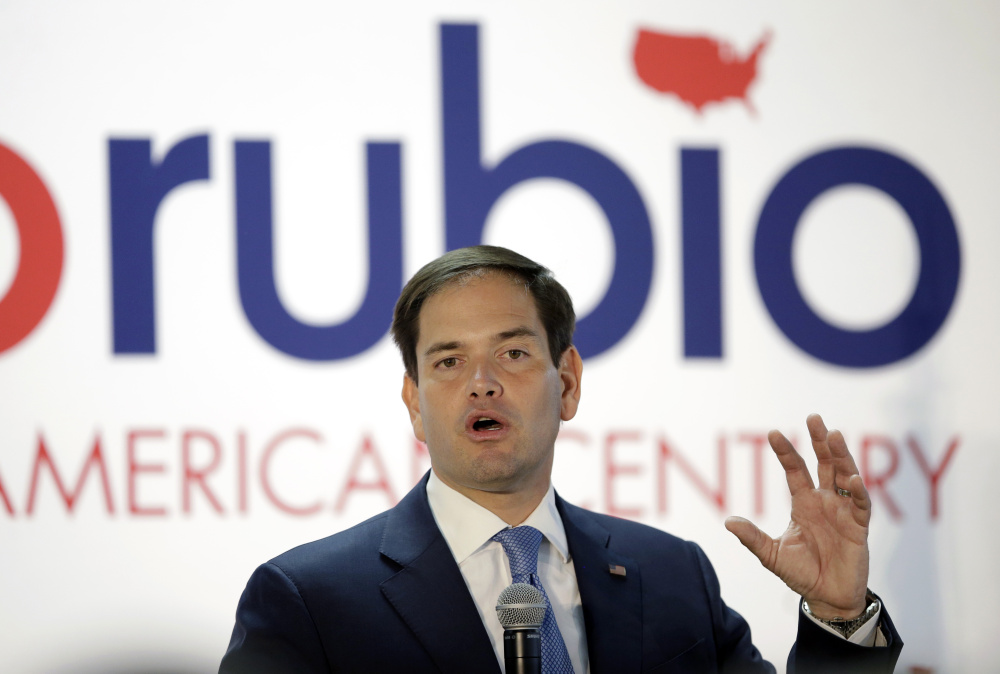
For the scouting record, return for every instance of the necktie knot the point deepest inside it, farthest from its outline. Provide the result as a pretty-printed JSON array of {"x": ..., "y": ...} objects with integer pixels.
[{"x": 521, "y": 545}]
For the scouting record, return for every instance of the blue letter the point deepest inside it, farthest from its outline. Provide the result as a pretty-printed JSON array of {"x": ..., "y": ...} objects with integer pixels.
[
  {"x": 471, "y": 189},
  {"x": 137, "y": 189},
  {"x": 939, "y": 257},
  {"x": 700, "y": 227},
  {"x": 255, "y": 258}
]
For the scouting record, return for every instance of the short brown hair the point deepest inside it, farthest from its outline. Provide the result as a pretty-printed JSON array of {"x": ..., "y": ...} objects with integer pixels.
[{"x": 553, "y": 303}]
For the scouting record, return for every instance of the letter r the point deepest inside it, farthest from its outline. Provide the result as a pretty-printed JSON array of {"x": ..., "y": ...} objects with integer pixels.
[{"x": 138, "y": 187}]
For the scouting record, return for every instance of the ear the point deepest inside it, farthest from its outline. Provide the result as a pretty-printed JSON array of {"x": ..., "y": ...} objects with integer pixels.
[
  {"x": 571, "y": 376},
  {"x": 411, "y": 396}
]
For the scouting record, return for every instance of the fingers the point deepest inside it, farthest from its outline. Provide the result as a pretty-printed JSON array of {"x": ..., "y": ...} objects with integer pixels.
[
  {"x": 862, "y": 510},
  {"x": 753, "y": 539},
  {"x": 836, "y": 465},
  {"x": 826, "y": 470},
  {"x": 836, "y": 469},
  {"x": 796, "y": 473},
  {"x": 842, "y": 460}
]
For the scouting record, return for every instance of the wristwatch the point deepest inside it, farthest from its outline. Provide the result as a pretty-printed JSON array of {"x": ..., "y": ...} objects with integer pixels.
[{"x": 848, "y": 627}]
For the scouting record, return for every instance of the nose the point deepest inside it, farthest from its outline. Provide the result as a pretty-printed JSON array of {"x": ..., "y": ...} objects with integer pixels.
[{"x": 484, "y": 383}]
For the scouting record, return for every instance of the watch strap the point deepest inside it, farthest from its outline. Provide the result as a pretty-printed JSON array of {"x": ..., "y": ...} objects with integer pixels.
[{"x": 844, "y": 626}]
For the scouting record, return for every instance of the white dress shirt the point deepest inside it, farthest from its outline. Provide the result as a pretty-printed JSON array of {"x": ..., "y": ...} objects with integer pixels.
[{"x": 468, "y": 528}]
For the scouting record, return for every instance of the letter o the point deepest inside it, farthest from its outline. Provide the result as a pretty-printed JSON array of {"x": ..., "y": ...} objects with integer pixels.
[
  {"x": 40, "y": 266},
  {"x": 940, "y": 258}
]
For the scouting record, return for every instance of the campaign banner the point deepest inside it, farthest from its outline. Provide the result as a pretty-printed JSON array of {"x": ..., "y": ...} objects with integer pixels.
[{"x": 761, "y": 210}]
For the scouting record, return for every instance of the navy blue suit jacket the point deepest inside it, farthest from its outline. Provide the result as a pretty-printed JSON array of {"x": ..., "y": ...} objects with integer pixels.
[{"x": 388, "y": 596}]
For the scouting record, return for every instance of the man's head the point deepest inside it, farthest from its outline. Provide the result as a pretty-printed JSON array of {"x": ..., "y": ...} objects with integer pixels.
[
  {"x": 553, "y": 303},
  {"x": 487, "y": 333}
]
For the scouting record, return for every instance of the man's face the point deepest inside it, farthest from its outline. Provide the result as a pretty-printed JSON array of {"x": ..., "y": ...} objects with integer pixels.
[{"x": 490, "y": 399}]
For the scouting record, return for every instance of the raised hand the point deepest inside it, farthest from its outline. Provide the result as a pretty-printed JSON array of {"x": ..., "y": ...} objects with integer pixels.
[{"x": 823, "y": 554}]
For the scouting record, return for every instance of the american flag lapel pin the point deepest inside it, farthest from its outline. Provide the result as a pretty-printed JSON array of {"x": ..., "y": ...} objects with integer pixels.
[{"x": 617, "y": 570}]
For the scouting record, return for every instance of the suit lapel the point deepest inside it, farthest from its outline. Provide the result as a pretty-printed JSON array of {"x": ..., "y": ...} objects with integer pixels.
[
  {"x": 429, "y": 593},
  {"x": 612, "y": 603}
]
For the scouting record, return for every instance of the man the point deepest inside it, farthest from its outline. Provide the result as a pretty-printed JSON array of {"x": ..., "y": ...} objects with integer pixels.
[{"x": 491, "y": 372}]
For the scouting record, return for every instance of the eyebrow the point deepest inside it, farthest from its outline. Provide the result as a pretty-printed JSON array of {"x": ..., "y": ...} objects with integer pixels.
[
  {"x": 441, "y": 346},
  {"x": 520, "y": 331}
]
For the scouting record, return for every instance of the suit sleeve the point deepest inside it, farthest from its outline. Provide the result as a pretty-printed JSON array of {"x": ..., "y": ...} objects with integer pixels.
[
  {"x": 816, "y": 650},
  {"x": 274, "y": 631}
]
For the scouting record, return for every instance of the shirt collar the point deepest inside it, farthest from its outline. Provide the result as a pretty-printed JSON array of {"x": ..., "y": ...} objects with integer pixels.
[{"x": 467, "y": 526}]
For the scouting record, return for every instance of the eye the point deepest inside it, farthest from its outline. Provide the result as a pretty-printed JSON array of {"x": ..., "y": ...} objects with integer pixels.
[
  {"x": 514, "y": 354},
  {"x": 449, "y": 362}
]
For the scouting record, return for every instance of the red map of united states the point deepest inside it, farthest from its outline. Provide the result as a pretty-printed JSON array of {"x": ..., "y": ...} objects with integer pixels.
[{"x": 695, "y": 68}]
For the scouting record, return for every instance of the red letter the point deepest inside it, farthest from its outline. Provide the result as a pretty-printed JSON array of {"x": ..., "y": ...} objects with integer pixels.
[
  {"x": 42, "y": 456},
  {"x": 265, "y": 465},
  {"x": 134, "y": 468},
  {"x": 757, "y": 443},
  {"x": 876, "y": 483},
  {"x": 612, "y": 469},
  {"x": 717, "y": 496},
  {"x": 382, "y": 483},
  {"x": 40, "y": 266},
  {"x": 583, "y": 439},
  {"x": 933, "y": 476},
  {"x": 192, "y": 475},
  {"x": 241, "y": 470},
  {"x": 6, "y": 501}
]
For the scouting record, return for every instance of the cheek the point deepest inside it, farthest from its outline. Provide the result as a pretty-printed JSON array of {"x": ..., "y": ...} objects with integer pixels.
[{"x": 430, "y": 416}]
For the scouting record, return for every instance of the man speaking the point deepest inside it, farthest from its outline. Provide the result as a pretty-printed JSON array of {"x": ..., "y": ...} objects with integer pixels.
[{"x": 491, "y": 372}]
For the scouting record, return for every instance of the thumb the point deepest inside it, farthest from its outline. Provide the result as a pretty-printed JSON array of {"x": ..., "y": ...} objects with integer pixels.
[{"x": 752, "y": 538}]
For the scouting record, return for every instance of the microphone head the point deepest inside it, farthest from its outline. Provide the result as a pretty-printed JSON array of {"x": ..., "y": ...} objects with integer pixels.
[{"x": 521, "y": 606}]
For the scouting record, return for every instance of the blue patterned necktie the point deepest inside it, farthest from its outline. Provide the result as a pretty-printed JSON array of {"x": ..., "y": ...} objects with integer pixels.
[{"x": 521, "y": 545}]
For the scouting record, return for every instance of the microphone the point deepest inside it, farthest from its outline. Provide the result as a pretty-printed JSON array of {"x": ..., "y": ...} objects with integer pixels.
[{"x": 521, "y": 610}]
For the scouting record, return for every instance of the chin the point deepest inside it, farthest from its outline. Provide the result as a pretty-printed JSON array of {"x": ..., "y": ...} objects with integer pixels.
[{"x": 500, "y": 473}]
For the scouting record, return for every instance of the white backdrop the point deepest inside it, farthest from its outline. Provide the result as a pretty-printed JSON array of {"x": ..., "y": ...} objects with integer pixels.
[{"x": 206, "y": 446}]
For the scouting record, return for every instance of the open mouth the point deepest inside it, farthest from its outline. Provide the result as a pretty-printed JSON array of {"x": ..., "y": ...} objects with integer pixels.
[{"x": 486, "y": 424}]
